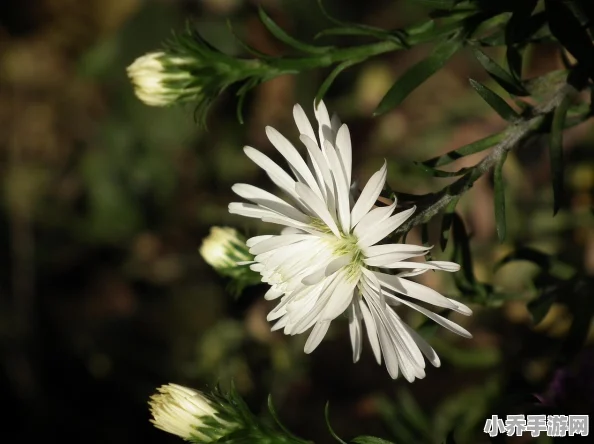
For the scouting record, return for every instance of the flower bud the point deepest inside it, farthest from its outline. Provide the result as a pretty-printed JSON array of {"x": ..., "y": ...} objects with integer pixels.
[
  {"x": 189, "y": 414},
  {"x": 223, "y": 248},
  {"x": 162, "y": 79}
]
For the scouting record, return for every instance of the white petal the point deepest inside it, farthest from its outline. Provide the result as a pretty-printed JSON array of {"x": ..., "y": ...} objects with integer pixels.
[
  {"x": 378, "y": 232},
  {"x": 355, "y": 317},
  {"x": 277, "y": 242},
  {"x": 378, "y": 250},
  {"x": 324, "y": 124},
  {"x": 369, "y": 195},
  {"x": 424, "y": 346},
  {"x": 340, "y": 300},
  {"x": 444, "y": 322},
  {"x": 257, "y": 239},
  {"x": 292, "y": 156},
  {"x": 372, "y": 219},
  {"x": 342, "y": 188},
  {"x": 343, "y": 145},
  {"x": 303, "y": 123},
  {"x": 337, "y": 264},
  {"x": 273, "y": 293},
  {"x": 269, "y": 200},
  {"x": 316, "y": 336},
  {"x": 414, "y": 290},
  {"x": 371, "y": 331},
  {"x": 317, "y": 206}
]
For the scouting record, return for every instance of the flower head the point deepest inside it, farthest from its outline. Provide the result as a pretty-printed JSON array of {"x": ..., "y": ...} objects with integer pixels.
[
  {"x": 162, "y": 79},
  {"x": 328, "y": 260},
  {"x": 187, "y": 413},
  {"x": 223, "y": 248}
]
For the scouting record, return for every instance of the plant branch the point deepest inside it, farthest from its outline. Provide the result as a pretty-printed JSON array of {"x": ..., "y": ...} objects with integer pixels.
[{"x": 514, "y": 135}]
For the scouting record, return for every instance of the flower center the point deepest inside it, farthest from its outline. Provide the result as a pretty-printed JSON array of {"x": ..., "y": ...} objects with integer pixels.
[{"x": 347, "y": 245}]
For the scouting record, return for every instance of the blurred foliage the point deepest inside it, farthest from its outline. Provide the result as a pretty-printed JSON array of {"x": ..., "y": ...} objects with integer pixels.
[{"x": 103, "y": 295}]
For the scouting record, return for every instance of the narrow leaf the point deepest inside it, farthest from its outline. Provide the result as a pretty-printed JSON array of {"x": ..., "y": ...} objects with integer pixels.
[
  {"x": 565, "y": 26},
  {"x": 280, "y": 34},
  {"x": 500, "y": 199},
  {"x": 500, "y": 75},
  {"x": 556, "y": 153},
  {"x": 494, "y": 101},
  {"x": 446, "y": 222},
  {"x": 417, "y": 74},
  {"x": 332, "y": 76},
  {"x": 471, "y": 148},
  {"x": 440, "y": 173}
]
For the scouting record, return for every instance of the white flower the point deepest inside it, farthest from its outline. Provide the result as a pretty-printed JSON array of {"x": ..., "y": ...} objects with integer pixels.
[
  {"x": 160, "y": 79},
  {"x": 223, "y": 248},
  {"x": 327, "y": 260},
  {"x": 183, "y": 411}
]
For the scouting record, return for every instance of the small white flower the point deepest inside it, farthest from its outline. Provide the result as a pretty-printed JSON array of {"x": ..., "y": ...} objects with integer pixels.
[
  {"x": 223, "y": 248},
  {"x": 160, "y": 79},
  {"x": 327, "y": 259},
  {"x": 182, "y": 411}
]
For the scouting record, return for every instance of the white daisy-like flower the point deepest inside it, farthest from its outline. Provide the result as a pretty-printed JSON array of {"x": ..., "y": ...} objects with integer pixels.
[{"x": 327, "y": 259}]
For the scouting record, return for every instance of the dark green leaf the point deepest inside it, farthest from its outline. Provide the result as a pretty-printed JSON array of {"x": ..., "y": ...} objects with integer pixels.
[
  {"x": 330, "y": 429},
  {"x": 280, "y": 34},
  {"x": 540, "y": 306},
  {"x": 472, "y": 148},
  {"x": 446, "y": 222},
  {"x": 556, "y": 153},
  {"x": 566, "y": 27},
  {"x": 332, "y": 76},
  {"x": 440, "y": 173},
  {"x": 245, "y": 45},
  {"x": 497, "y": 103},
  {"x": 416, "y": 75},
  {"x": 500, "y": 199},
  {"x": 500, "y": 75},
  {"x": 370, "y": 440},
  {"x": 442, "y": 4}
]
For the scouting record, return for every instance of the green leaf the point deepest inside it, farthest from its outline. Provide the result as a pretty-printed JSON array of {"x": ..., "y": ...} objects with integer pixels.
[
  {"x": 440, "y": 173},
  {"x": 417, "y": 74},
  {"x": 332, "y": 76},
  {"x": 280, "y": 34},
  {"x": 255, "y": 52},
  {"x": 500, "y": 199},
  {"x": 330, "y": 429},
  {"x": 566, "y": 27},
  {"x": 556, "y": 153},
  {"x": 500, "y": 75},
  {"x": 274, "y": 415},
  {"x": 494, "y": 101},
  {"x": 370, "y": 440},
  {"x": 446, "y": 222},
  {"x": 471, "y": 148}
]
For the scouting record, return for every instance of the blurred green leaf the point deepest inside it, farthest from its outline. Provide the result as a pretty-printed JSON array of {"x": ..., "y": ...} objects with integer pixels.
[
  {"x": 440, "y": 173},
  {"x": 556, "y": 153},
  {"x": 500, "y": 75},
  {"x": 471, "y": 148},
  {"x": 280, "y": 34},
  {"x": 494, "y": 101},
  {"x": 417, "y": 74},
  {"x": 527, "y": 254},
  {"x": 500, "y": 198}
]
